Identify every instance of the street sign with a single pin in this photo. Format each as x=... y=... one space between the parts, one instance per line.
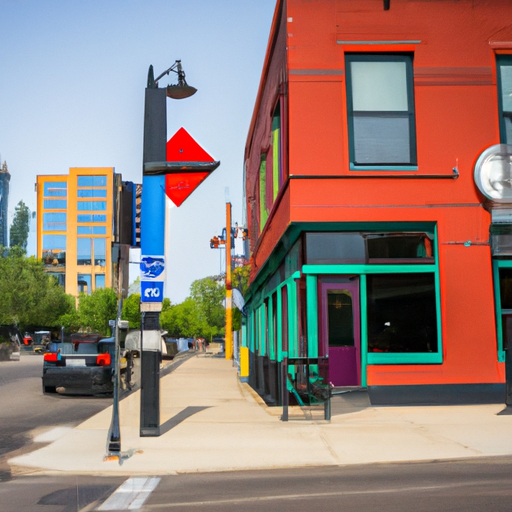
x=151 y=291
x=183 y=149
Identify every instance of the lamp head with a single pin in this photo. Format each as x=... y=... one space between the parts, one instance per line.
x=177 y=92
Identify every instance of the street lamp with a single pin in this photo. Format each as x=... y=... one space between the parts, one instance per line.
x=156 y=175
x=152 y=241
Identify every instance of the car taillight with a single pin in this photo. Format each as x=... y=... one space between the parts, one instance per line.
x=103 y=360
x=51 y=358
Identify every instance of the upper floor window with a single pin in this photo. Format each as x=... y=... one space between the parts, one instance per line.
x=55 y=189
x=91 y=218
x=92 y=192
x=504 y=68
x=380 y=107
x=277 y=156
x=55 y=204
x=53 y=221
x=92 y=181
x=92 y=205
x=263 y=192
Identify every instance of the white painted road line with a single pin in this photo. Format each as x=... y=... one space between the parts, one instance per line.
x=131 y=495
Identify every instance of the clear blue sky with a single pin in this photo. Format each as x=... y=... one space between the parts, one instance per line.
x=72 y=79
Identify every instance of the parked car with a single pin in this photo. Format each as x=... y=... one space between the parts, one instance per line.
x=83 y=366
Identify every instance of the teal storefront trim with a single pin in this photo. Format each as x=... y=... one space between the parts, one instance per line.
x=496 y=265
x=362 y=271
x=364 y=330
x=312 y=316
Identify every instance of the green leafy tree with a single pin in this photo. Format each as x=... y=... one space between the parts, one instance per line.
x=182 y=320
x=28 y=295
x=71 y=320
x=97 y=309
x=20 y=226
x=209 y=293
x=131 y=310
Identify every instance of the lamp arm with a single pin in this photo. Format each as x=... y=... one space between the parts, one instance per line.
x=177 y=64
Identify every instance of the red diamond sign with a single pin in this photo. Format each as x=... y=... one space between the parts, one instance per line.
x=191 y=164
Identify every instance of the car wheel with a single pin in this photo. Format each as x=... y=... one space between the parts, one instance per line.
x=49 y=390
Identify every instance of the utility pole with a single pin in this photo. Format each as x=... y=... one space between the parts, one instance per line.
x=229 y=291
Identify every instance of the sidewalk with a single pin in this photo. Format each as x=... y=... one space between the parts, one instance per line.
x=212 y=422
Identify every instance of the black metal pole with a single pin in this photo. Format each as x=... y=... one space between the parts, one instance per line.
x=150 y=375
x=154 y=150
x=114 y=443
x=284 y=384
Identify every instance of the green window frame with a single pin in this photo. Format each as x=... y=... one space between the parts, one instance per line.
x=381 y=114
x=263 y=192
x=497 y=265
x=277 y=166
x=504 y=80
x=363 y=271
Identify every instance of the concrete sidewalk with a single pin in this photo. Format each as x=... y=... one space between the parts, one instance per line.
x=212 y=422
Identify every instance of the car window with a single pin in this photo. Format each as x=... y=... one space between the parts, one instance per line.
x=86 y=348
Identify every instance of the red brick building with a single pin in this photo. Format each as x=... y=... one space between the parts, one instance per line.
x=374 y=252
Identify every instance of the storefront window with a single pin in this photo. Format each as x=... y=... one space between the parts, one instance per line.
x=506 y=305
x=402 y=313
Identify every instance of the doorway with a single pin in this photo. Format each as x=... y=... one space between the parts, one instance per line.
x=340 y=335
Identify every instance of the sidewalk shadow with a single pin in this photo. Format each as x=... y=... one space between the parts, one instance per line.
x=346 y=403
x=181 y=416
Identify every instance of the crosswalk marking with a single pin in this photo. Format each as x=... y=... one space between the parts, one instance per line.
x=131 y=495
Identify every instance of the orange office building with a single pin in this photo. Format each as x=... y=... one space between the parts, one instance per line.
x=379 y=200
x=74 y=227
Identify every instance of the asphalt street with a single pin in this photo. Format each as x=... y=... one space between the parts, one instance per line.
x=475 y=485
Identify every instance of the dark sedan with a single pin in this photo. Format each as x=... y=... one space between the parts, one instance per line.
x=83 y=366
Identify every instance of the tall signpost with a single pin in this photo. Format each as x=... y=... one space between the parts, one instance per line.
x=172 y=171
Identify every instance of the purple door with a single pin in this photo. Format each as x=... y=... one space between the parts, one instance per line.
x=340 y=330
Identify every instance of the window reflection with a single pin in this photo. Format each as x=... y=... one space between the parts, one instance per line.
x=84 y=251
x=54 y=221
x=55 y=189
x=84 y=283
x=99 y=281
x=92 y=205
x=92 y=181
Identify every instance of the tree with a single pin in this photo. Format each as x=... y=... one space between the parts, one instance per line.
x=20 y=226
x=208 y=293
x=182 y=320
x=28 y=295
x=97 y=309
x=131 y=310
